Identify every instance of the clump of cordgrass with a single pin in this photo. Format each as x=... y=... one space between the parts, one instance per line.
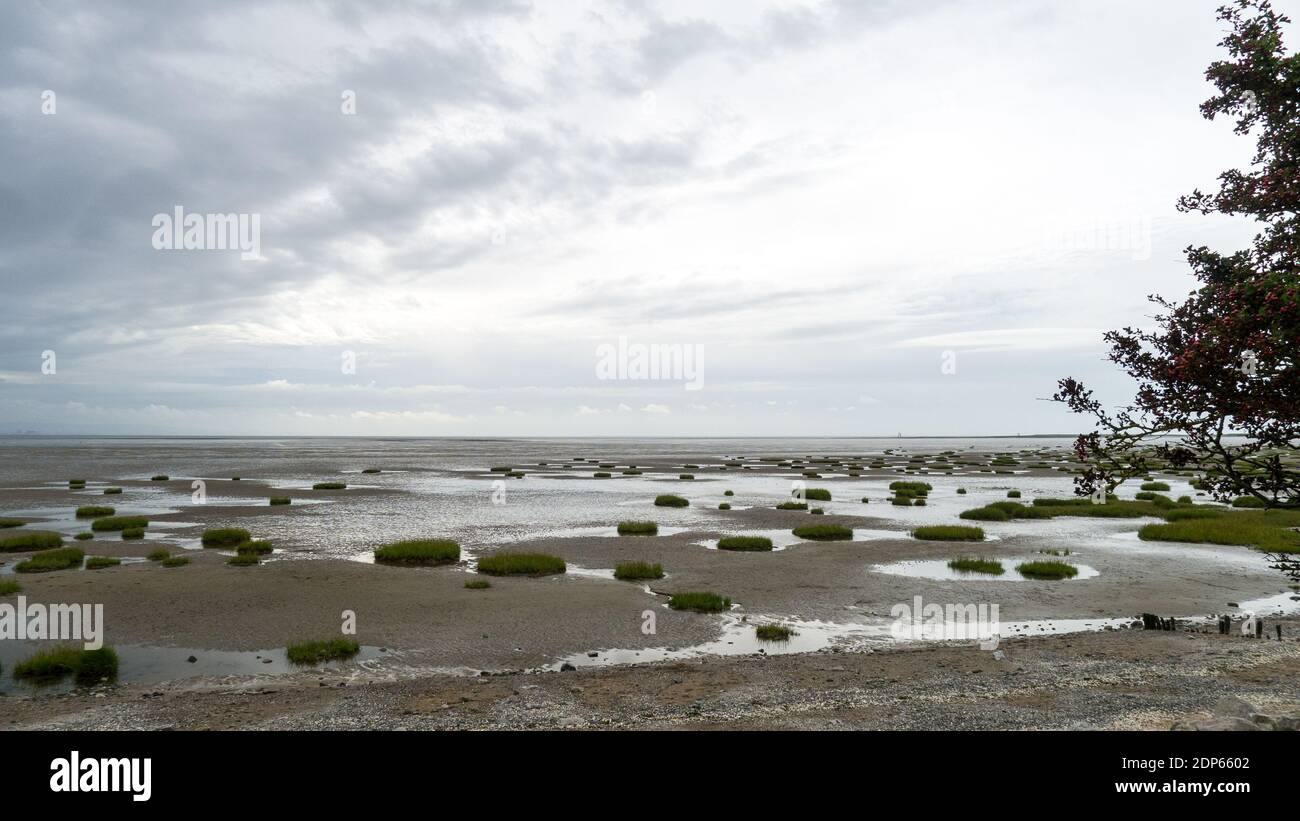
x=110 y=523
x=86 y=536
x=508 y=468
x=87 y=666
x=77 y=484
x=30 y=540
x=636 y=571
x=162 y=477
x=1248 y=501
x=901 y=501
x=910 y=488
x=638 y=528
x=280 y=500
x=601 y=474
x=133 y=533
x=225 y=537
x=244 y=559
x=477 y=584
x=865 y=500
x=686 y=476
x=1262 y=531
x=745 y=543
x=724 y=506
x=824 y=532
x=112 y=491
x=632 y=472
x=972 y=564
x=1047 y=570
x=8 y=587
x=919 y=502
x=371 y=470
x=961 y=491
x=1155 y=486
x=7 y=523
x=315 y=652
x=329 y=486
x=419 y=552
x=773 y=632
x=792 y=506
x=158 y=554
x=670 y=500
x=701 y=602
x=99 y=562
x=949 y=533
x=258 y=546
x=61 y=558
x=728 y=493
x=816 y=494
x=818 y=511
x=1013 y=494
x=175 y=561
x=521 y=564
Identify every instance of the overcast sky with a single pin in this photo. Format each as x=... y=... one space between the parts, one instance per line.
x=872 y=217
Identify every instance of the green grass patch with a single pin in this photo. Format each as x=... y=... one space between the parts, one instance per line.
x=1253 y=530
x=792 y=506
x=281 y=500
x=1248 y=501
x=701 y=602
x=636 y=571
x=745 y=543
x=7 y=523
x=521 y=564
x=112 y=491
x=911 y=488
x=84 y=537
x=31 y=540
x=971 y=564
x=8 y=587
x=901 y=501
x=477 y=584
x=98 y=562
x=162 y=477
x=46 y=561
x=949 y=533
x=670 y=500
x=817 y=494
x=52 y=664
x=728 y=493
x=244 y=559
x=372 y=470
x=111 y=523
x=638 y=528
x=1013 y=494
x=419 y=552
x=225 y=537
x=724 y=506
x=1155 y=486
x=315 y=652
x=133 y=533
x=329 y=486
x=1047 y=570
x=259 y=546
x=175 y=561
x=159 y=555
x=824 y=533
x=773 y=632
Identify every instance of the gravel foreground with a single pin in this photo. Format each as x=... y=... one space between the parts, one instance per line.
x=1125 y=680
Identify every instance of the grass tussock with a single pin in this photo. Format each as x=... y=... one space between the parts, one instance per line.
x=159 y=555
x=7 y=523
x=112 y=491
x=316 y=652
x=100 y=562
x=419 y=552
x=133 y=533
x=824 y=533
x=773 y=632
x=1257 y=530
x=244 y=559
x=638 y=529
x=637 y=571
x=745 y=543
x=724 y=506
x=175 y=561
x=972 y=564
x=46 y=561
x=477 y=584
x=521 y=564
x=31 y=540
x=87 y=666
x=280 y=500
x=816 y=494
x=162 y=477
x=260 y=547
x=225 y=537
x=95 y=511
x=1050 y=570
x=949 y=533
x=111 y=523
x=699 y=602
x=670 y=500
x=8 y=587
x=329 y=486
x=84 y=537
x=792 y=506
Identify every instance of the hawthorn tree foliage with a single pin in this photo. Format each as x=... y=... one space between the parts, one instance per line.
x=1223 y=361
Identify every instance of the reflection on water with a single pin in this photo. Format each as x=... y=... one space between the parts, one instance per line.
x=939 y=570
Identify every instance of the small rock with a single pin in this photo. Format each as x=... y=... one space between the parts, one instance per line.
x=567 y=668
x=192 y=659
